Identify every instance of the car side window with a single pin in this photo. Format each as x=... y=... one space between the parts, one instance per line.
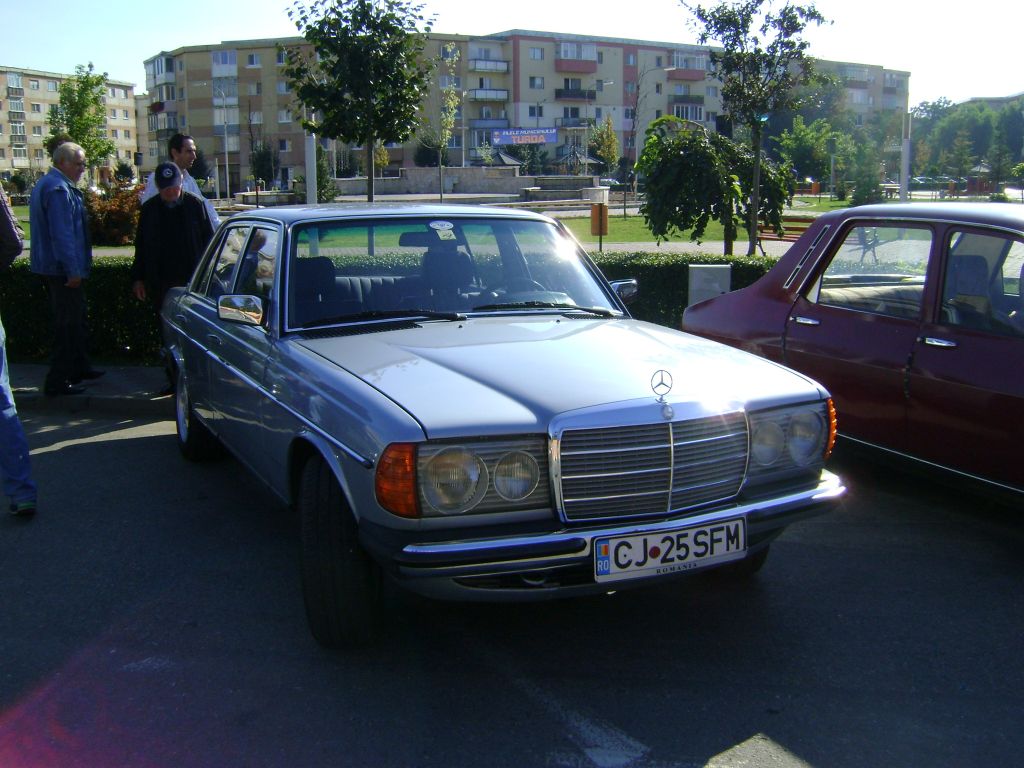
x=877 y=269
x=220 y=276
x=981 y=286
x=256 y=273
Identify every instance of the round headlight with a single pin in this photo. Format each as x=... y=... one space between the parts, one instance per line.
x=767 y=443
x=516 y=476
x=806 y=437
x=454 y=481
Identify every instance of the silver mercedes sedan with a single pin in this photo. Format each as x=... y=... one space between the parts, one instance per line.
x=455 y=398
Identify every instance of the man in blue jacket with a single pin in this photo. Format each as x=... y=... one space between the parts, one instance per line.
x=61 y=254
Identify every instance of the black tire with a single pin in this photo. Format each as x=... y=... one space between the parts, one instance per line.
x=340 y=582
x=195 y=441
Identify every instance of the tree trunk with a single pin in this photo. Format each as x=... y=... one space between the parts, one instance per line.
x=755 y=187
x=370 y=170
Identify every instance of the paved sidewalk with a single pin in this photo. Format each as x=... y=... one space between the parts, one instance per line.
x=123 y=391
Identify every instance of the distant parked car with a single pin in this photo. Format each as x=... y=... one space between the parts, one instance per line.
x=913 y=317
x=455 y=398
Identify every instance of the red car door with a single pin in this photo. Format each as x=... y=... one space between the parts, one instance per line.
x=966 y=385
x=854 y=328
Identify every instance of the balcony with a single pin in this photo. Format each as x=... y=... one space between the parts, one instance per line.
x=581 y=66
x=18 y=139
x=488 y=94
x=156 y=107
x=681 y=98
x=575 y=94
x=489 y=123
x=14 y=93
x=575 y=122
x=690 y=75
x=16 y=117
x=488 y=65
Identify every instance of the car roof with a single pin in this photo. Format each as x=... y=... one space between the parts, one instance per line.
x=291 y=214
x=991 y=214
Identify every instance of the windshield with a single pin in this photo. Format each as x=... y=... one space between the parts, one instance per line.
x=365 y=269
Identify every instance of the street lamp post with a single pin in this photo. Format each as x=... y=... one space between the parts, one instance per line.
x=224 y=106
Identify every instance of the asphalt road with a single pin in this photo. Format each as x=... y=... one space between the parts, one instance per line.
x=151 y=616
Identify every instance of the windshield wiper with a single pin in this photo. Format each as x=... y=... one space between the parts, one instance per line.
x=599 y=311
x=385 y=314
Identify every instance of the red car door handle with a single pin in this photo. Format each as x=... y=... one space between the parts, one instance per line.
x=800 y=320
x=931 y=341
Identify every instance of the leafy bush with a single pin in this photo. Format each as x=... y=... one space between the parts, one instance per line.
x=114 y=216
x=999 y=197
x=665 y=282
x=121 y=329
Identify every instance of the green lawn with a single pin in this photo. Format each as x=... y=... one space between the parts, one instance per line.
x=21 y=214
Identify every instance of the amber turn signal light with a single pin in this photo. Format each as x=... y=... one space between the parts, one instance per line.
x=395 y=481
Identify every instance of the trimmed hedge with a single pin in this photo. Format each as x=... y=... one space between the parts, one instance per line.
x=122 y=329
x=665 y=281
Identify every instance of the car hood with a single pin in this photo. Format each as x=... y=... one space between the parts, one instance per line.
x=512 y=374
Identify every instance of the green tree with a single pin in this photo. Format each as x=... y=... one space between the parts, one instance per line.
x=1018 y=173
x=806 y=148
x=694 y=176
x=326 y=189
x=960 y=158
x=437 y=137
x=604 y=144
x=364 y=78
x=381 y=158
x=80 y=113
x=866 y=177
x=124 y=173
x=265 y=162
x=762 y=63
x=998 y=157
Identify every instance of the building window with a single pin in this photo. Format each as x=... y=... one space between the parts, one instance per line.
x=252 y=60
x=224 y=58
x=14 y=79
x=127 y=133
x=537 y=83
x=630 y=59
x=37 y=130
x=33 y=85
x=255 y=89
x=712 y=91
x=537 y=54
x=37 y=108
x=281 y=57
x=578 y=51
x=256 y=117
x=16 y=105
x=19 y=152
x=598 y=114
x=536 y=110
x=124 y=114
x=113 y=114
x=629 y=113
x=682 y=89
x=657 y=61
x=450 y=81
x=694 y=112
x=629 y=87
x=284 y=115
x=51 y=85
x=17 y=129
x=284 y=145
x=282 y=86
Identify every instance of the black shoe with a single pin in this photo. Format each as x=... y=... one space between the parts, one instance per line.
x=23 y=509
x=65 y=389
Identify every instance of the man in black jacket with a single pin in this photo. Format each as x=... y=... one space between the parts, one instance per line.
x=174 y=230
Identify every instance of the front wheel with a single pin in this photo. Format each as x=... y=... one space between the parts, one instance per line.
x=340 y=582
x=195 y=441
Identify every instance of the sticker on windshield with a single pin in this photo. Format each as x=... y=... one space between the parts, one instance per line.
x=445 y=229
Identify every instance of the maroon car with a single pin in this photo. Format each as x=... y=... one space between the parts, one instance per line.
x=913 y=317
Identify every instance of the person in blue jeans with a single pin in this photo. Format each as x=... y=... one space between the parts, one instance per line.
x=15 y=470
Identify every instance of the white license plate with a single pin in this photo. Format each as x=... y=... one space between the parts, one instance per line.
x=657 y=554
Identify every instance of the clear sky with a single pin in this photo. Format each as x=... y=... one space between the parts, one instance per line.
x=956 y=50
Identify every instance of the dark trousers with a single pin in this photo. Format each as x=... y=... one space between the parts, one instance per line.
x=70 y=333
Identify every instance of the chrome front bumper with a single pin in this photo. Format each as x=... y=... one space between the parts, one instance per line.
x=446 y=569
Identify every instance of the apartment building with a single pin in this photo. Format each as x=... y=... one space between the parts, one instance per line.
x=25 y=105
x=514 y=86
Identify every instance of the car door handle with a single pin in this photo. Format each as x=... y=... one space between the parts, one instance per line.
x=801 y=320
x=214 y=339
x=931 y=341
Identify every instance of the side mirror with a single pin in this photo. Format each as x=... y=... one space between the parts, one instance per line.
x=626 y=290
x=247 y=310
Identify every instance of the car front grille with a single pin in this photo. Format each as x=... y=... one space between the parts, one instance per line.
x=651 y=469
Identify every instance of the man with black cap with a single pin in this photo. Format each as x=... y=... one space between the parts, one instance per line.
x=174 y=230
